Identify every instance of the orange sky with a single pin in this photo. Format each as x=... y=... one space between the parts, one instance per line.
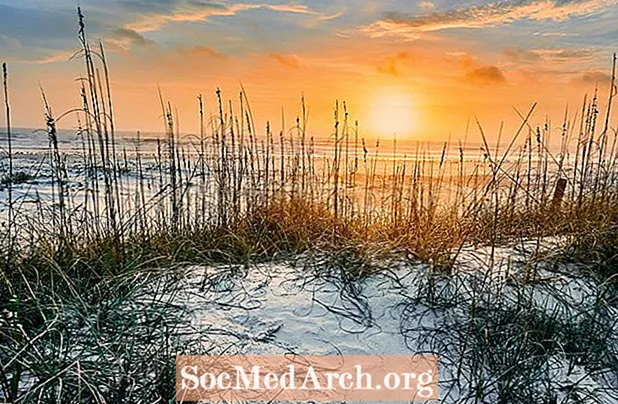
x=421 y=69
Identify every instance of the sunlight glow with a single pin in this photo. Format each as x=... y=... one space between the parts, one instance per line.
x=393 y=111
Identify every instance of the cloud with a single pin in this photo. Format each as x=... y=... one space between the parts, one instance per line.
x=288 y=8
x=394 y=64
x=566 y=54
x=183 y=13
x=521 y=55
x=556 y=34
x=61 y=56
x=15 y=51
x=486 y=75
x=330 y=17
x=551 y=55
x=487 y=15
x=427 y=5
x=201 y=52
x=288 y=60
x=594 y=78
x=194 y=11
x=124 y=38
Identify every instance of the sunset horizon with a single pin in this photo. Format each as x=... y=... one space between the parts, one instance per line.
x=421 y=70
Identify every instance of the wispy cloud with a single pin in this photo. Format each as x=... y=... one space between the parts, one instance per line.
x=427 y=5
x=556 y=34
x=566 y=54
x=123 y=38
x=330 y=17
x=205 y=52
x=202 y=11
x=287 y=8
x=487 y=15
x=486 y=75
x=594 y=78
x=54 y=58
x=14 y=51
x=521 y=55
x=287 y=60
x=184 y=13
x=394 y=64
x=552 y=55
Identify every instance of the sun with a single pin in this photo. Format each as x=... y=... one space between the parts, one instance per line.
x=393 y=112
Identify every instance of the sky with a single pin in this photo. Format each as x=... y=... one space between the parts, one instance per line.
x=420 y=69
